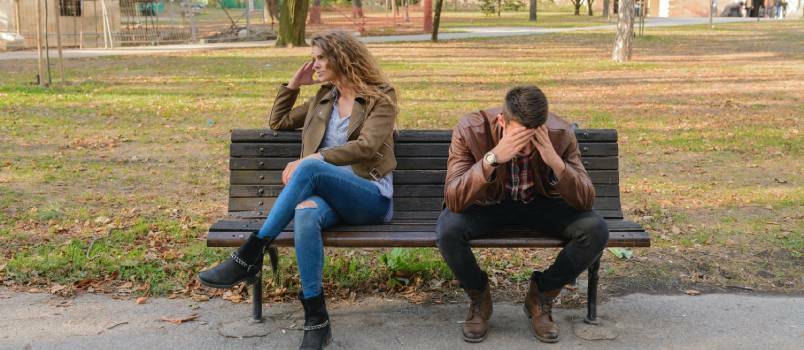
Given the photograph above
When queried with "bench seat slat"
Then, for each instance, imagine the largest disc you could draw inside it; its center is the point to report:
(400, 203)
(253, 225)
(413, 216)
(422, 239)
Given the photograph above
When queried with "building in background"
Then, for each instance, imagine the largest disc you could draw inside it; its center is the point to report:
(82, 21)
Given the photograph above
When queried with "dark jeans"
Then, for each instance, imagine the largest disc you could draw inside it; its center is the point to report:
(585, 232)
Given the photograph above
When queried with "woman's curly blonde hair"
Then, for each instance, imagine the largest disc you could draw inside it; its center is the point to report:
(351, 61)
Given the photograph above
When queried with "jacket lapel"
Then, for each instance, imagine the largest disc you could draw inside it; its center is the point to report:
(359, 112)
(314, 131)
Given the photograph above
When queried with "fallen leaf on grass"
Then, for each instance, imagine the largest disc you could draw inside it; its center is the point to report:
(692, 292)
(180, 320)
(142, 300)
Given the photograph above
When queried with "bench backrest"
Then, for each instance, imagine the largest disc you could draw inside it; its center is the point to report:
(259, 156)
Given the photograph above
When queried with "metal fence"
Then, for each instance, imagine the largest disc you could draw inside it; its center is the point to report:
(115, 23)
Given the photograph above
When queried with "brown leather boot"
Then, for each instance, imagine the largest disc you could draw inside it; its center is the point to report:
(476, 326)
(539, 309)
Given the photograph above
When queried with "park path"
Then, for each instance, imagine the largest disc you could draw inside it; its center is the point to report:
(460, 33)
(637, 321)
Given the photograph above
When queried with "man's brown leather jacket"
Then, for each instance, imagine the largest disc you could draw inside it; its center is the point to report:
(478, 132)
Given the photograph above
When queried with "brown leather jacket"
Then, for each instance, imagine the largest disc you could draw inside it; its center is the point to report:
(477, 133)
(370, 142)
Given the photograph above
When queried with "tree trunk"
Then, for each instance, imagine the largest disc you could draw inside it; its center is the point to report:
(407, 13)
(606, 5)
(577, 6)
(315, 13)
(427, 9)
(437, 20)
(292, 20)
(271, 9)
(532, 11)
(625, 32)
(499, 7)
(589, 4)
(357, 8)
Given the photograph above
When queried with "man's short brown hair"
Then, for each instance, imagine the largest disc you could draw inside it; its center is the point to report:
(527, 105)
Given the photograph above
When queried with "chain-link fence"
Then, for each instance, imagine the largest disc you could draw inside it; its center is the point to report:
(115, 23)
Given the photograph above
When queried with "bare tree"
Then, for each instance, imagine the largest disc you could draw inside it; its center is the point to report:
(532, 17)
(292, 21)
(625, 32)
(606, 4)
(357, 8)
(589, 6)
(436, 20)
(271, 9)
(315, 13)
(577, 5)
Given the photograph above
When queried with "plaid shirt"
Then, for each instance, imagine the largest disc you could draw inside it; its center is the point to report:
(520, 181)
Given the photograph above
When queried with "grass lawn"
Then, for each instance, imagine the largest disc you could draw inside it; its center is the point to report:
(109, 182)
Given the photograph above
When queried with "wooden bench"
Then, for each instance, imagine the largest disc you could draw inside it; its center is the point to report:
(258, 157)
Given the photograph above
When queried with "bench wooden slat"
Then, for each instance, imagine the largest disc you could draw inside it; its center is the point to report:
(267, 135)
(403, 163)
(400, 203)
(237, 191)
(419, 149)
(413, 216)
(253, 225)
(401, 177)
(422, 239)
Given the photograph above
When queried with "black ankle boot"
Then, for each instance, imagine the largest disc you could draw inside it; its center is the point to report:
(317, 331)
(242, 264)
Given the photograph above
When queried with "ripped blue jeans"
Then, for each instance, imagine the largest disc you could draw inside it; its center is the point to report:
(318, 196)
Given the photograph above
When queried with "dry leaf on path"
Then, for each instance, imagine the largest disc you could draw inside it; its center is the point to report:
(180, 320)
(56, 288)
(142, 300)
(692, 292)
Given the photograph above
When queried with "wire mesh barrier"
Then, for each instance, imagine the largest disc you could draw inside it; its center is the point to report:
(115, 23)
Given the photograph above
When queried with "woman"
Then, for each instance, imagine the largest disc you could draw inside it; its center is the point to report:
(344, 175)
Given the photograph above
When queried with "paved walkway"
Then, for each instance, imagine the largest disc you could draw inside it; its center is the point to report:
(464, 33)
(638, 321)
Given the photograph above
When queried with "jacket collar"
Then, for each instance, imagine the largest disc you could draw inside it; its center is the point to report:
(333, 95)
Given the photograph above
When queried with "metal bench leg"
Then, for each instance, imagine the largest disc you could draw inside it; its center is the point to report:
(591, 302)
(256, 293)
(273, 256)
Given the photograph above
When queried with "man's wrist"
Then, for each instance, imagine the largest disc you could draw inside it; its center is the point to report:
(558, 166)
(488, 171)
(490, 159)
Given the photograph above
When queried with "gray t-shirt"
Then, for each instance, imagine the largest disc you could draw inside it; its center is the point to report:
(336, 136)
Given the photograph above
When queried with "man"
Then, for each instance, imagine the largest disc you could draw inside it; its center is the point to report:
(518, 165)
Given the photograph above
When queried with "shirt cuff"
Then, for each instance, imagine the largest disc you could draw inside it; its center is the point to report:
(552, 179)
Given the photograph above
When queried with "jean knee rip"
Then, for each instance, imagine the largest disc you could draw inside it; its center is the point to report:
(307, 205)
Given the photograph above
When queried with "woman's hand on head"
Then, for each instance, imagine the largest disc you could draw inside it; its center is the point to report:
(303, 76)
